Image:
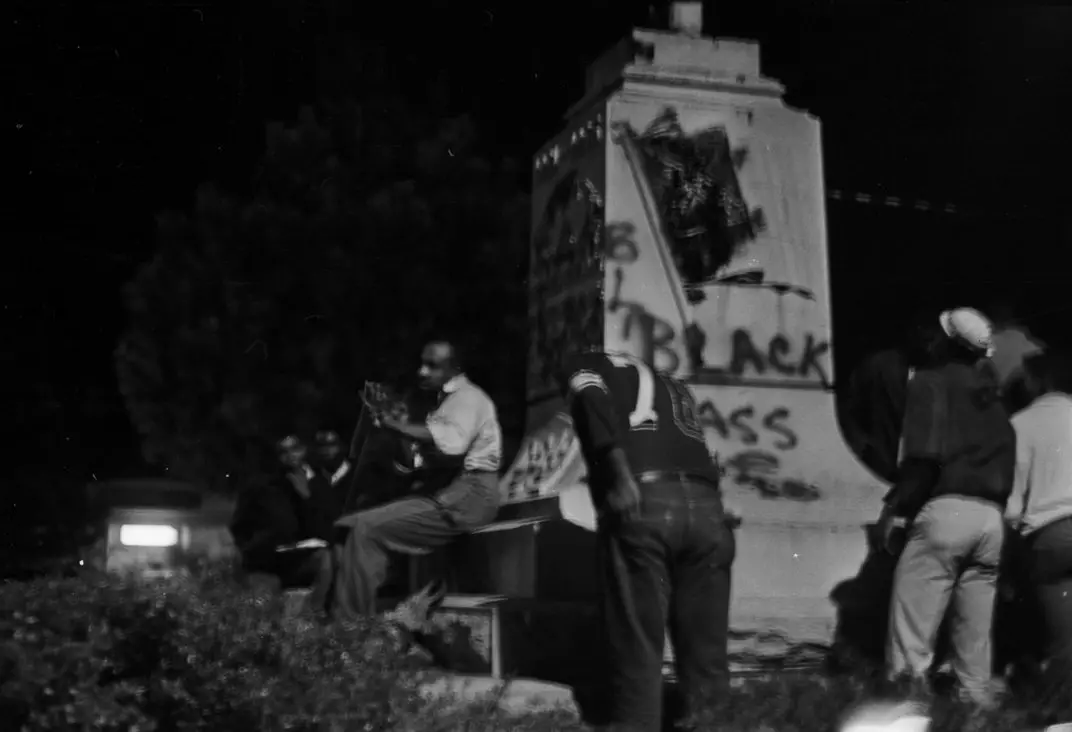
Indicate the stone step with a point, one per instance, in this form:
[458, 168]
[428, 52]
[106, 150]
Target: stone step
[503, 637]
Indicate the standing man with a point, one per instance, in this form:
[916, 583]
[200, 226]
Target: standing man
[464, 427]
[959, 453]
[1040, 507]
[665, 546]
[873, 408]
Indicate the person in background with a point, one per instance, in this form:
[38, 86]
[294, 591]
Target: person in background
[465, 428]
[872, 414]
[665, 546]
[331, 462]
[1013, 343]
[1040, 507]
[873, 408]
[959, 454]
[294, 505]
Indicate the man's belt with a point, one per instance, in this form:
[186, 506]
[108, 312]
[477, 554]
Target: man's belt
[676, 476]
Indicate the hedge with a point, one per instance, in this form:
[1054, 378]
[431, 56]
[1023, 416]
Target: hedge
[104, 653]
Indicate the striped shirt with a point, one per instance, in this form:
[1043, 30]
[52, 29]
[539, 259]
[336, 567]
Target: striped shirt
[467, 423]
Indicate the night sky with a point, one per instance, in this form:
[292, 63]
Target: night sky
[121, 109]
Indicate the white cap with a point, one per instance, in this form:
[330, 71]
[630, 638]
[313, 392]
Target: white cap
[970, 327]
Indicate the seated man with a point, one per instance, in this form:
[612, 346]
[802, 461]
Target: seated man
[294, 505]
[465, 425]
[330, 460]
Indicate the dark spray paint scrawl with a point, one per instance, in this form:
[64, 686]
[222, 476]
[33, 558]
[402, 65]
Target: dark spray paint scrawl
[568, 239]
[759, 470]
[694, 179]
[565, 280]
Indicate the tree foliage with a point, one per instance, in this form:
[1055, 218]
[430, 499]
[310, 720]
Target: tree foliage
[371, 224]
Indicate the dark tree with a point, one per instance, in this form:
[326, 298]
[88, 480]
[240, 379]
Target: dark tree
[370, 226]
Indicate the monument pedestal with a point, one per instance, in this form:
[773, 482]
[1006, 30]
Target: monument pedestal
[680, 218]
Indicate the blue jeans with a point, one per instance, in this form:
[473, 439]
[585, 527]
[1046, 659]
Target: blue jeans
[668, 568]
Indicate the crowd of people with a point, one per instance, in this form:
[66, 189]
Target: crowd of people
[275, 522]
[965, 478]
[981, 497]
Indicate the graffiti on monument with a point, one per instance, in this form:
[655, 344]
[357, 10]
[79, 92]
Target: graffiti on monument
[638, 324]
[693, 178]
[755, 467]
[564, 280]
[542, 458]
[700, 218]
[779, 355]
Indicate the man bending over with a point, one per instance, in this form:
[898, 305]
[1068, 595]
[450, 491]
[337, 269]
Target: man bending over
[665, 544]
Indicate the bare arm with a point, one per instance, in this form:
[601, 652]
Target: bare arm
[412, 430]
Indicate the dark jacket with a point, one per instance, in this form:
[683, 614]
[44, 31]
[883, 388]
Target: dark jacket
[957, 440]
[873, 411]
[274, 514]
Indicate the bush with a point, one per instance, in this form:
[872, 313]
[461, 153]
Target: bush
[111, 654]
[104, 653]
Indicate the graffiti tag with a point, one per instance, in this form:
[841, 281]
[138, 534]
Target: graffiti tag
[744, 425]
[565, 325]
[564, 289]
[653, 336]
[778, 356]
[568, 238]
[759, 471]
[694, 178]
[543, 456]
[756, 468]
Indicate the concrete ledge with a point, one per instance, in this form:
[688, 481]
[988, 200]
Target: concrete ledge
[515, 697]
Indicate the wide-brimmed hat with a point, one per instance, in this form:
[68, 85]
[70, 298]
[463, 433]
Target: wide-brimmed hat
[970, 327]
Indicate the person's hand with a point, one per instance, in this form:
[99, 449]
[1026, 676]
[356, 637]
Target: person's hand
[623, 499]
[390, 421]
[891, 528]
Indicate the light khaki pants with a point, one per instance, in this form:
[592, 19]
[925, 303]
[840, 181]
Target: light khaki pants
[952, 554]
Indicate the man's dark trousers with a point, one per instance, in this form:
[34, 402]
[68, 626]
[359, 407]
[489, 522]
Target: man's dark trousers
[1050, 557]
[669, 567]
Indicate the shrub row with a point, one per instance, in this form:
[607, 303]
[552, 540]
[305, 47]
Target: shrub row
[110, 654]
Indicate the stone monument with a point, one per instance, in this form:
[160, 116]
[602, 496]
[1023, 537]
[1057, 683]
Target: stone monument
[680, 217]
